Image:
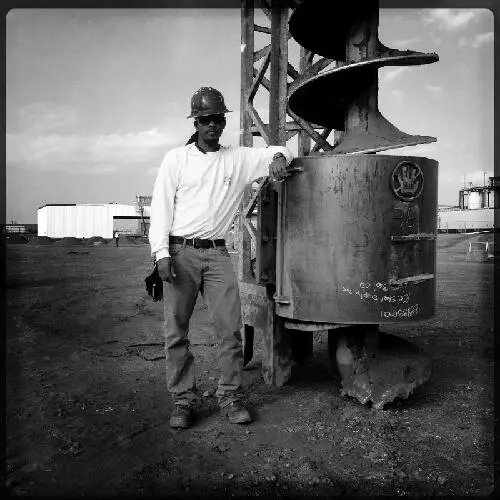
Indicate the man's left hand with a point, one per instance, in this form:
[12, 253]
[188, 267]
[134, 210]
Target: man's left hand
[277, 169]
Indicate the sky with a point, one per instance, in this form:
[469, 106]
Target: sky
[96, 97]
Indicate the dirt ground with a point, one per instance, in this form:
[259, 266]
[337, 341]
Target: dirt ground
[87, 408]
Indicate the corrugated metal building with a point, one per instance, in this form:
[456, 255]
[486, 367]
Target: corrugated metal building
[87, 220]
[464, 220]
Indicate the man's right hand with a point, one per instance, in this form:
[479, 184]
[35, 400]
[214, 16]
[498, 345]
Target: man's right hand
[277, 168]
[166, 269]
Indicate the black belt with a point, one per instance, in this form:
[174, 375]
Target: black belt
[197, 242]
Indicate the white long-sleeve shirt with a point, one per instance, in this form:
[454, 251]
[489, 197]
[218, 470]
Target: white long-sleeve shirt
[196, 194]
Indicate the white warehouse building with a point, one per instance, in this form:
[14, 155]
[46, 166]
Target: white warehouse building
[87, 220]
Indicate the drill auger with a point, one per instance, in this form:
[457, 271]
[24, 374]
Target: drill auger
[381, 263]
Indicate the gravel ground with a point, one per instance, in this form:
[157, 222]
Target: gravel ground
[87, 410]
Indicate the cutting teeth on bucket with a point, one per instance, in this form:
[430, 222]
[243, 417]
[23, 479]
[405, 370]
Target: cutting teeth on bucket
[376, 366]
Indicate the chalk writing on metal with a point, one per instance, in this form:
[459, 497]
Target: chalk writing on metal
[381, 293]
[376, 297]
[378, 292]
[406, 312]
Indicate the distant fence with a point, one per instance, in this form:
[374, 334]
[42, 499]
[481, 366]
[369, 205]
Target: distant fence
[480, 251]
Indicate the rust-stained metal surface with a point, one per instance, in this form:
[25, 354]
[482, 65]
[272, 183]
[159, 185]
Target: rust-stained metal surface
[257, 301]
[246, 138]
[253, 305]
[355, 251]
[277, 357]
[270, 207]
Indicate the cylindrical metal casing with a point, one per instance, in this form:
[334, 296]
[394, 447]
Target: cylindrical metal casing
[359, 239]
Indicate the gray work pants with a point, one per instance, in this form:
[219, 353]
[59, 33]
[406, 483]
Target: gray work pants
[211, 271]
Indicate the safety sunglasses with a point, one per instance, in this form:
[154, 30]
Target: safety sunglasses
[217, 119]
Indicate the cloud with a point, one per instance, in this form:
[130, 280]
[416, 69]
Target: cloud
[90, 154]
[389, 74]
[104, 153]
[476, 178]
[436, 90]
[231, 136]
[41, 118]
[424, 149]
[450, 19]
[152, 171]
[48, 138]
[397, 94]
[477, 41]
[482, 39]
[417, 150]
[406, 42]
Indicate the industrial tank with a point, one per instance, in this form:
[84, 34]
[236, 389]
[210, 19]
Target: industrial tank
[476, 200]
[490, 203]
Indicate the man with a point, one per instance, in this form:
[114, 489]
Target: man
[117, 237]
[195, 199]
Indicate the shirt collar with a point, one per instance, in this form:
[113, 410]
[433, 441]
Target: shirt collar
[195, 148]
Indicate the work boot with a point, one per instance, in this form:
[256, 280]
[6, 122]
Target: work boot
[237, 413]
[181, 417]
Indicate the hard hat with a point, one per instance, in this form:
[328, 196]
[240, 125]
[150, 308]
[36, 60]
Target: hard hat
[207, 101]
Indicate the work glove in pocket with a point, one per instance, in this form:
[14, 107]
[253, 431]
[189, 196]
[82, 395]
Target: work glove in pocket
[154, 285]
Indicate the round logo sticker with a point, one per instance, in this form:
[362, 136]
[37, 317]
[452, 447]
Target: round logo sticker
[407, 181]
